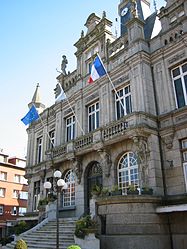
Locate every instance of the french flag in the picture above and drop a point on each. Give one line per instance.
(97, 70)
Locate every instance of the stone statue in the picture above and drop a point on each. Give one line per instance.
(143, 154)
(134, 9)
(105, 162)
(57, 91)
(77, 166)
(64, 64)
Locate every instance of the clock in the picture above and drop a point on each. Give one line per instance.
(124, 11)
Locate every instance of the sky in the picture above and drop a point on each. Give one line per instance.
(34, 34)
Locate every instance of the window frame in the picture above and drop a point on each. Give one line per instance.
(3, 192)
(51, 139)
(184, 162)
(70, 128)
(39, 143)
(93, 116)
(14, 211)
(130, 181)
(3, 173)
(69, 193)
(1, 209)
(184, 88)
(119, 100)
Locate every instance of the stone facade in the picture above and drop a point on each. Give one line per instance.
(141, 141)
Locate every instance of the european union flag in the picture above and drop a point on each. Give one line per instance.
(30, 116)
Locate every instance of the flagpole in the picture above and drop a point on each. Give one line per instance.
(112, 84)
(44, 127)
(71, 109)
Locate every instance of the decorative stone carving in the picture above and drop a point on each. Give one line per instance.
(77, 167)
(106, 162)
(143, 153)
(168, 140)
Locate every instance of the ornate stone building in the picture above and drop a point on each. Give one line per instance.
(144, 143)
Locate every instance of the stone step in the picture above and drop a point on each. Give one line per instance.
(45, 237)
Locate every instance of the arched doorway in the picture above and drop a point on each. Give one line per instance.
(93, 177)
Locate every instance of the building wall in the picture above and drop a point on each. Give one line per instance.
(9, 201)
(153, 131)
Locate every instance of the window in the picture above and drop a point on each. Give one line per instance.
(23, 195)
(93, 117)
(17, 178)
(22, 210)
(70, 128)
(179, 76)
(1, 209)
(39, 150)
(90, 67)
(15, 193)
(123, 102)
(14, 211)
(184, 158)
(36, 195)
(3, 176)
(2, 192)
(52, 139)
(128, 171)
(69, 193)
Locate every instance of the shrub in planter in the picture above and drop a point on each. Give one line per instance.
(20, 227)
(146, 191)
(84, 226)
(104, 192)
(20, 244)
(96, 190)
(73, 247)
(132, 190)
(116, 190)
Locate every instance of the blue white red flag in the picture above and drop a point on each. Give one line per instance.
(32, 115)
(97, 70)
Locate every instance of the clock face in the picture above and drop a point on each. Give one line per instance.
(124, 11)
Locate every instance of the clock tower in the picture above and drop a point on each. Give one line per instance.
(125, 11)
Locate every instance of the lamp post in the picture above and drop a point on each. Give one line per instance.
(59, 186)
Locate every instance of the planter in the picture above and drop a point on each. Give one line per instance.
(90, 241)
(117, 192)
(132, 192)
(147, 191)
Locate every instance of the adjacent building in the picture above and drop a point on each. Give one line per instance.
(13, 191)
(127, 128)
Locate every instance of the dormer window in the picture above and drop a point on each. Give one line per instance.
(174, 18)
(181, 13)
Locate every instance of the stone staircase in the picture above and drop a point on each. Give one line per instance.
(44, 236)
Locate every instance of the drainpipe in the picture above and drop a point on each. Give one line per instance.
(161, 158)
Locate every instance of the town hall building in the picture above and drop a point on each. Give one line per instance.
(128, 128)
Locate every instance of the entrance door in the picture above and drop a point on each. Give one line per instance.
(94, 177)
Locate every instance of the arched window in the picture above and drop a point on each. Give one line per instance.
(69, 193)
(128, 170)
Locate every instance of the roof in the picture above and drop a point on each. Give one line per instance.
(149, 25)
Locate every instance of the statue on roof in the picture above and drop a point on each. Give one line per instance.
(64, 64)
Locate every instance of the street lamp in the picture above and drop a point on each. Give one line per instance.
(60, 185)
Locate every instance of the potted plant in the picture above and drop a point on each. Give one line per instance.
(84, 226)
(42, 204)
(132, 190)
(96, 190)
(116, 190)
(146, 191)
(104, 192)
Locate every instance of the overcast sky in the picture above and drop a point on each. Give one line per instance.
(34, 34)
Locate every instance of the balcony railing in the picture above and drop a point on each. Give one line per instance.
(83, 142)
(112, 130)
